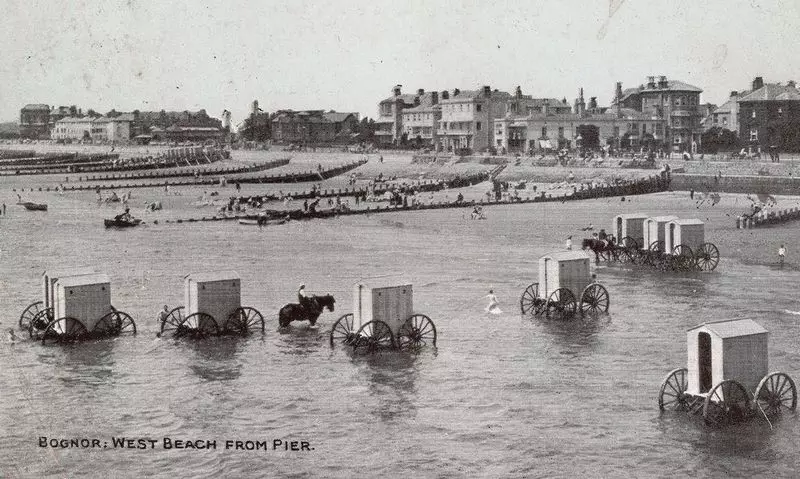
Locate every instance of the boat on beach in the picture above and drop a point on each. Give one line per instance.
(33, 206)
(115, 223)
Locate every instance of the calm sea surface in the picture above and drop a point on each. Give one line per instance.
(503, 396)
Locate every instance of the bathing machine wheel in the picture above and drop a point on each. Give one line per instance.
(29, 313)
(775, 394)
(727, 403)
(417, 331)
(373, 336)
(342, 331)
(594, 299)
(245, 321)
(64, 330)
(197, 325)
(561, 302)
(673, 391)
(115, 323)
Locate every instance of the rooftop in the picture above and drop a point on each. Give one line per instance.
(732, 328)
(36, 106)
(773, 92)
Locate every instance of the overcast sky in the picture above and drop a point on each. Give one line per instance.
(347, 55)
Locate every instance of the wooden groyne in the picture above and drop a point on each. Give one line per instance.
(768, 218)
(305, 176)
(652, 184)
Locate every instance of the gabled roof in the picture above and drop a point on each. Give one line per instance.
(771, 92)
(732, 328)
(725, 107)
(206, 277)
(338, 117)
(36, 106)
(685, 222)
(406, 98)
(566, 256)
(83, 279)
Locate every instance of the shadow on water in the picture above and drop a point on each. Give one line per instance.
(302, 340)
(576, 332)
(391, 380)
(89, 363)
(215, 359)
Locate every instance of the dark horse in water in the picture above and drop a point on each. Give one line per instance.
(598, 246)
(309, 311)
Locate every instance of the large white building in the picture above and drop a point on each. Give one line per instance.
(97, 129)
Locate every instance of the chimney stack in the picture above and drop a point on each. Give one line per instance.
(396, 90)
(487, 91)
(434, 97)
(456, 91)
(518, 92)
(445, 95)
(758, 82)
(651, 82)
(662, 82)
(416, 101)
(421, 91)
(618, 93)
(791, 84)
(734, 94)
(593, 103)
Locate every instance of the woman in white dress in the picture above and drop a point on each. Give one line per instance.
(493, 307)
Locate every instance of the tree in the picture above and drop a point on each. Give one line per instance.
(716, 139)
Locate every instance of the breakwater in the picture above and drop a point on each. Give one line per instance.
(652, 184)
(768, 218)
(775, 185)
(311, 175)
(189, 171)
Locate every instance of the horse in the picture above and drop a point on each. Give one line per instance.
(309, 312)
(598, 246)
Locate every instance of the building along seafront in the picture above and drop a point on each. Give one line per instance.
(419, 122)
(769, 116)
(313, 126)
(552, 126)
(675, 101)
(98, 129)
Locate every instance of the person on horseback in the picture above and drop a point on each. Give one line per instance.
(302, 297)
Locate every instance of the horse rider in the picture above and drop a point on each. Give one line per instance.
(302, 297)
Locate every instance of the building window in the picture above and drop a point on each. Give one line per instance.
(616, 132)
(478, 107)
(753, 115)
(753, 134)
(544, 132)
(724, 121)
(478, 125)
(677, 140)
(780, 110)
(561, 132)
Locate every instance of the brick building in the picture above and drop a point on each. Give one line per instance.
(313, 126)
(769, 116)
(675, 101)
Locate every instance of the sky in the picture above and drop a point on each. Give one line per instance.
(347, 56)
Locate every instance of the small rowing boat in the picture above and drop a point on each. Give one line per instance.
(115, 223)
(34, 206)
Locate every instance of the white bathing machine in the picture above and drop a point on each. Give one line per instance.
(686, 238)
(654, 232)
(629, 229)
(41, 312)
(562, 275)
(726, 361)
(213, 305)
(383, 316)
(82, 309)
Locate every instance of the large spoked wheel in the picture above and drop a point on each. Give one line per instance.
(244, 321)
(417, 331)
(561, 302)
(39, 323)
(629, 243)
(115, 323)
(594, 299)
(173, 319)
(624, 256)
(726, 403)
(682, 258)
(673, 391)
(775, 394)
(197, 326)
(656, 247)
(342, 331)
(373, 336)
(530, 302)
(28, 314)
(707, 257)
(64, 330)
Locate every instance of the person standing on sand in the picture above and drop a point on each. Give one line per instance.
(781, 254)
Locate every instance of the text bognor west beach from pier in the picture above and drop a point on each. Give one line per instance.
(304, 240)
